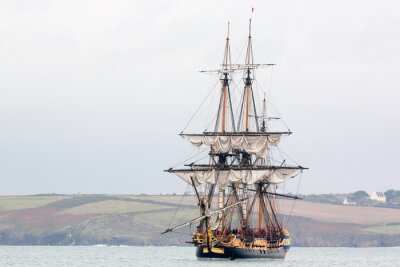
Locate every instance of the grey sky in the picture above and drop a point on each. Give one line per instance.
(94, 93)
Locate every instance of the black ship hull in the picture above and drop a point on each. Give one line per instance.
(240, 253)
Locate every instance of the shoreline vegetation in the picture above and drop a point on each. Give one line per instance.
(388, 199)
(52, 219)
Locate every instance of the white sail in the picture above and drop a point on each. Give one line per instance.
(257, 145)
(223, 177)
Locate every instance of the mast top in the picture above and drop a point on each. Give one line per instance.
(227, 36)
(250, 28)
(251, 16)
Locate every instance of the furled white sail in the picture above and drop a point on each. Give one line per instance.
(257, 145)
(223, 177)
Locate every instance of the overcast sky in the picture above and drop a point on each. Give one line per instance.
(94, 93)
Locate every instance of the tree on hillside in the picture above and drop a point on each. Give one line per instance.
(393, 197)
(358, 195)
(391, 193)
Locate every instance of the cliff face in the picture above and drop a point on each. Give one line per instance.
(310, 233)
(139, 220)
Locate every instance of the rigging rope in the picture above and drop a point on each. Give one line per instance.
(270, 98)
(201, 104)
(286, 155)
(261, 50)
(182, 233)
(294, 202)
(176, 211)
(243, 46)
(199, 152)
(209, 110)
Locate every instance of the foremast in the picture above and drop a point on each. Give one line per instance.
(225, 78)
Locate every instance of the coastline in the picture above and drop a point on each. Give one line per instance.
(138, 220)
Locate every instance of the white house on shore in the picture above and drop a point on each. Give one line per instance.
(346, 202)
(378, 196)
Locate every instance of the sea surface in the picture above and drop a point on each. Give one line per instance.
(184, 257)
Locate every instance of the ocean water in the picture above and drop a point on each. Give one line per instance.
(184, 257)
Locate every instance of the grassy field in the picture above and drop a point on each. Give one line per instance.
(112, 207)
(387, 229)
(28, 202)
(147, 203)
(164, 218)
(167, 198)
(341, 213)
(316, 211)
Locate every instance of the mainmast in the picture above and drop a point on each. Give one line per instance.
(248, 104)
(248, 98)
(248, 80)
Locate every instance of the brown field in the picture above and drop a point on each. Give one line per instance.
(316, 211)
(342, 214)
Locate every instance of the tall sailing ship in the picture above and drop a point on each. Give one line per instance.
(237, 188)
